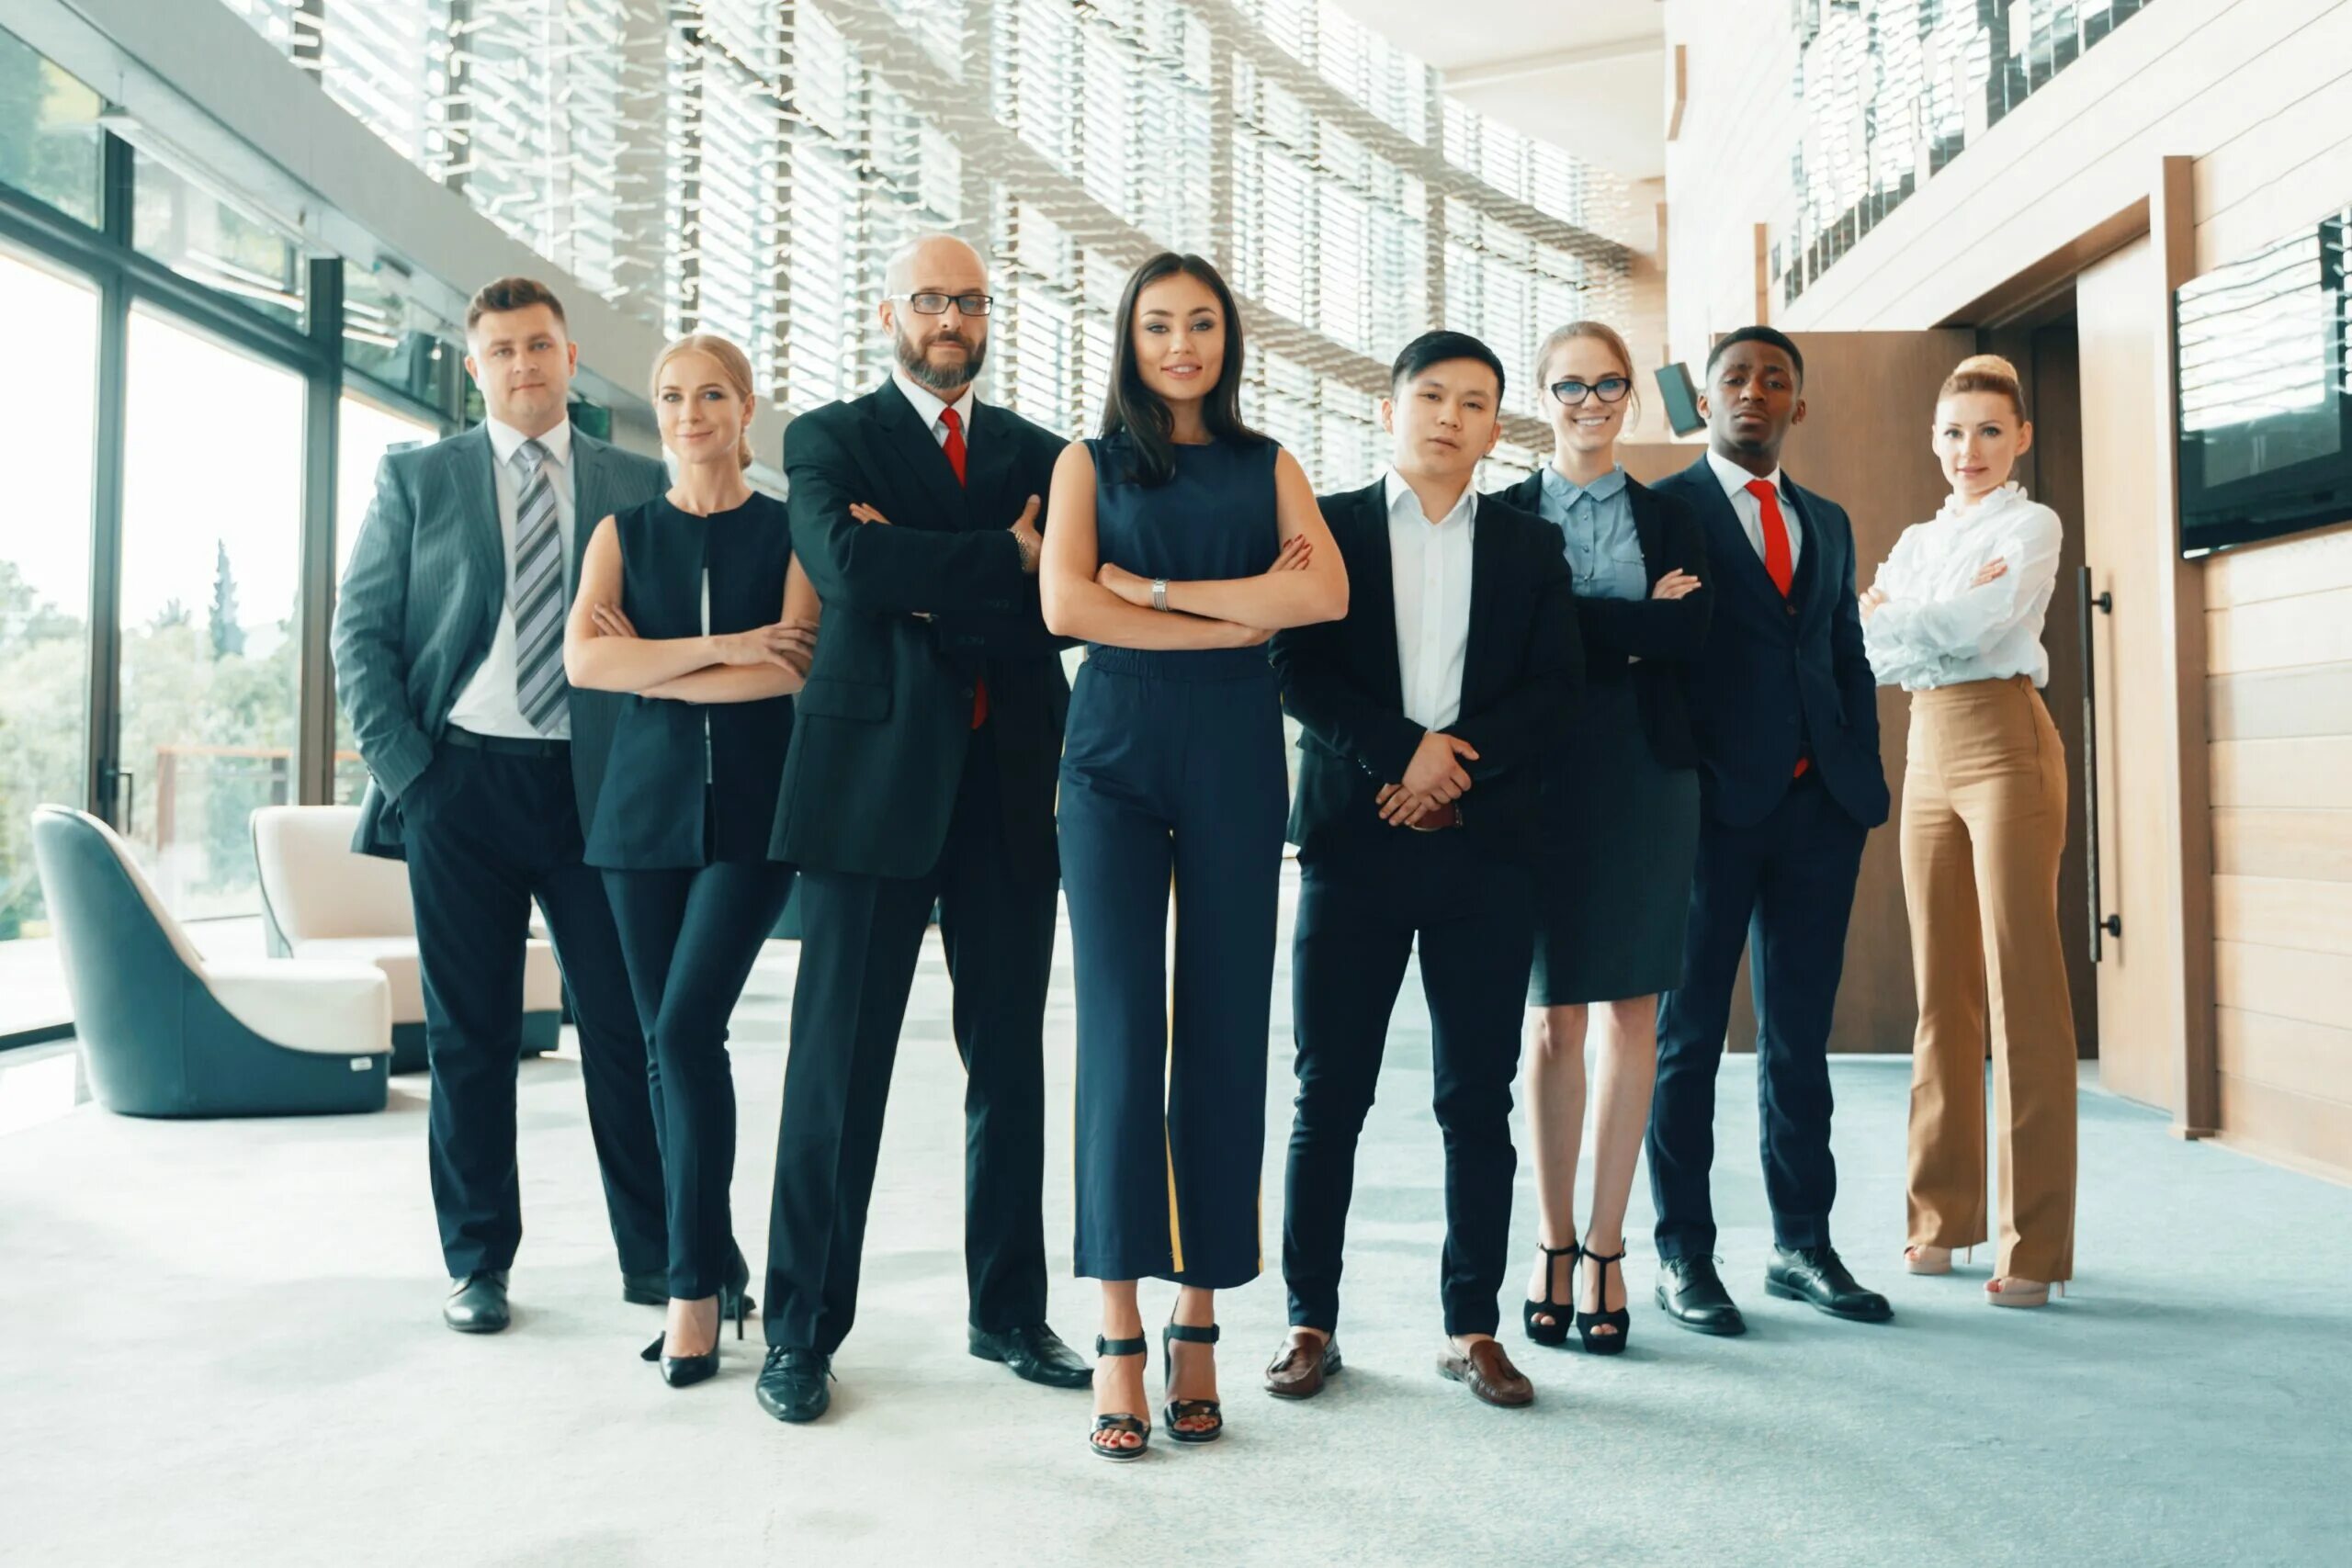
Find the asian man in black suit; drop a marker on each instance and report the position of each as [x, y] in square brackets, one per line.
[1785, 712]
[1428, 714]
[924, 750]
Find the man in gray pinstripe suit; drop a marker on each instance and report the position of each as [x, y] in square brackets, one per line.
[449, 652]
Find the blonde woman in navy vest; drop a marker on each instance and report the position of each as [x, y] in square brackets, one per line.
[693, 603]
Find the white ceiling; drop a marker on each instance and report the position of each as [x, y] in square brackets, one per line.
[1589, 75]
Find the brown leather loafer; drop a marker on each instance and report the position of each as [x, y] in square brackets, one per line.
[1488, 1373]
[1305, 1361]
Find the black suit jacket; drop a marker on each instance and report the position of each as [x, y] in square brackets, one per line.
[879, 731]
[1778, 678]
[1521, 671]
[1659, 638]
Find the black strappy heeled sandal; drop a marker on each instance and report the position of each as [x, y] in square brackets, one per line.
[1119, 1422]
[1621, 1320]
[1179, 1411]
[1554, 1333]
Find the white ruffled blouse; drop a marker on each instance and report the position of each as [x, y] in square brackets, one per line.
[1935, 629]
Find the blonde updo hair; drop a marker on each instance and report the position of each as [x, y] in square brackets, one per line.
[1987, 373]
[733, 364]
[1608, 337]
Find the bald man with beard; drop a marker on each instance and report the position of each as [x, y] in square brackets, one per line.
[922, 769]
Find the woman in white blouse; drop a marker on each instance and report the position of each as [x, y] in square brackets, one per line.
[1955, 618]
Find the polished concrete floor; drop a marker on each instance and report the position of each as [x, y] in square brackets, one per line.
[218, 1343]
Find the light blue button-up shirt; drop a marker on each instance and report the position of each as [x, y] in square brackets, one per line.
[1596, 523]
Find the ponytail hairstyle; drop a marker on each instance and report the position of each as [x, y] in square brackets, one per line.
[733, 364]
[1987, 373]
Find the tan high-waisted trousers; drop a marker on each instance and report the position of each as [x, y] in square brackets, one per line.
[1984, 821]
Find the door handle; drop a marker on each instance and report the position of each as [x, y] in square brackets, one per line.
[2102, 926]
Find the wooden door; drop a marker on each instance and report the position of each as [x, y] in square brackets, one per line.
[1870, 402]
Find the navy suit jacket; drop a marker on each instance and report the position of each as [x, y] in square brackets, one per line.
[1780, 679]
[419, 602]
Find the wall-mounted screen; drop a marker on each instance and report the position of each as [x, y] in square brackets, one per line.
[1682, 399]
[2262, 376]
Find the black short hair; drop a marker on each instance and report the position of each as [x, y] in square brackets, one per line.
[1778, 339]
[1436, 348]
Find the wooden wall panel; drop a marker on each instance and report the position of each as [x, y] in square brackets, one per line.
[1870, 399]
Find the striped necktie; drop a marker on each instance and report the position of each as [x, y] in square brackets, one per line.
[536, 596]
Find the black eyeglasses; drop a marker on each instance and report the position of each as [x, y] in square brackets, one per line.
[1608, 390]
[936, 304]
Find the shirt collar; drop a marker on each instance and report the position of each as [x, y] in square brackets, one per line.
[1566, 490]
[1400, 496]
[927, 403]
[1734, 479]
[505, 440]
[1998, 501]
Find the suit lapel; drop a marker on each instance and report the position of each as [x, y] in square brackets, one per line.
[1371, 595]
[1487, 570]
[1815, 569]
[1728, 539]
[916, 451]
[475, 477]
[987, 468]
[589, 506]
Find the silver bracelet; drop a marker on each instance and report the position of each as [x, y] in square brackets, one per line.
[1160, 594]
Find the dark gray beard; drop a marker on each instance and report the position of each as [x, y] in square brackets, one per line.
[911, 360]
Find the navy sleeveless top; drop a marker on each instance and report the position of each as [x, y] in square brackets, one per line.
[1215, 520]
[688, 783]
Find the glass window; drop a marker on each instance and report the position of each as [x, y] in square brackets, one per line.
[382, 343]
[212, 557]
[50, 143]
[47, 427]
[365, 433]
[182, 223]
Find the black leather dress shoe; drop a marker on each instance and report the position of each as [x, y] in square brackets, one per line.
[477, 1303]
[1692, 1293]
[793, 1382]
[1816, 1275]
[1036, 1352]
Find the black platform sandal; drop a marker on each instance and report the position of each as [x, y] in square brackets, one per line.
[1129, 1424]
[1178, 1411]
[1621, 1320]
[1557, 1331]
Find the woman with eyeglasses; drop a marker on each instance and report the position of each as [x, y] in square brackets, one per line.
[1624, 798]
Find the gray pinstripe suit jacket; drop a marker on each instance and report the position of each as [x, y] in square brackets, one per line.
[419, 602]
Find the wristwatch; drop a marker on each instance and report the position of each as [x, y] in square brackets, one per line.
[1160, 594]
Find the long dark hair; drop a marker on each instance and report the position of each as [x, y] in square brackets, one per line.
[1134, 410]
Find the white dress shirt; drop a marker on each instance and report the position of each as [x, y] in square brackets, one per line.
[1429, 567]
[1735, 480]
[488, 704]
[928, 405]
[1935, 629]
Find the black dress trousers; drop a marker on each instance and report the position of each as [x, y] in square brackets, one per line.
[862, 936]
[487, 830]
[1360, 909]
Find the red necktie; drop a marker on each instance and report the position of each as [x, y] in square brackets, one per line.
[954, 447]
[1777, 563]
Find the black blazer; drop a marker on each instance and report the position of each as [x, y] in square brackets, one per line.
[880, 728]
[1780, 679]
[1652, 641]
[1520, 676]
